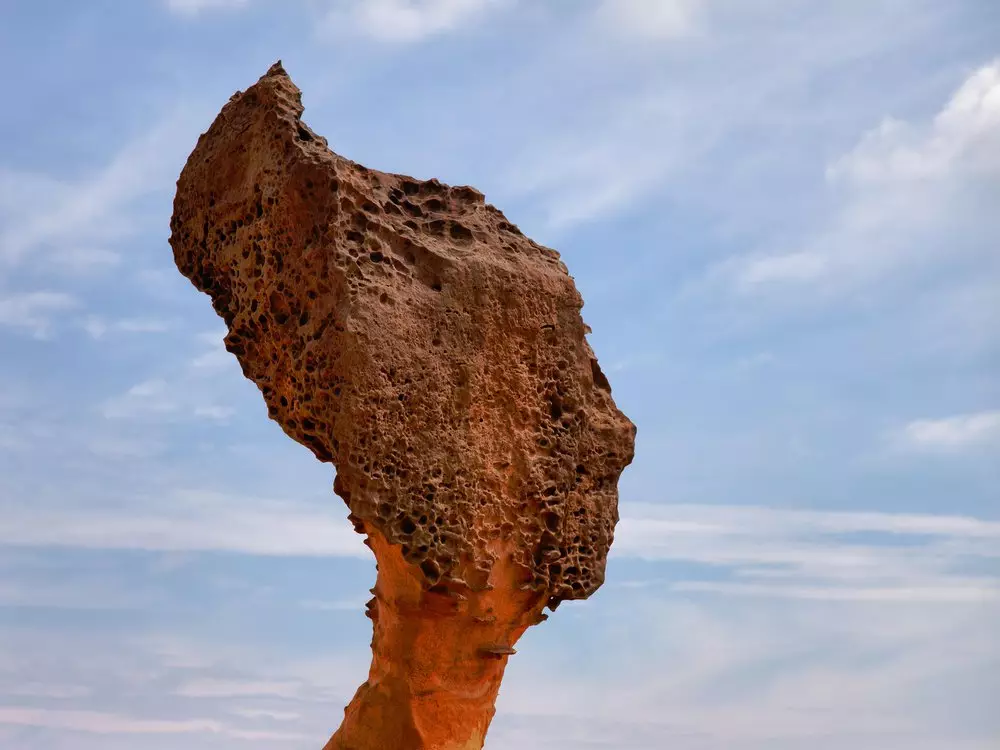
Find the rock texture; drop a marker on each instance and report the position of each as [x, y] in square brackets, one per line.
[408, 333]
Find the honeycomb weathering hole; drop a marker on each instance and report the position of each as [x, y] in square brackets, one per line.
[406, 332]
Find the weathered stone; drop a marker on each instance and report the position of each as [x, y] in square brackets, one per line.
[408, 333]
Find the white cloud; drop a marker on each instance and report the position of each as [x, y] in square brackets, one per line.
[586, 176]
[143, 683]
[912, 194]
[78, 595]
[793, 267]
[963, 137]
[194, 392]
[101, 722]
[195, 7]
[651, 19]
[953, 433]
[802, 553]
[142, 400]
[837, 556]
[678, 121]
[116, 448]
[190, 521]
[75, 224]
[948, 592]
[749, 520]
[49, 690]
[748, 665]
[261, 713]
[98, 327]
[32, 312]
[756, 674]
[215, 413]
[735, 673]
[214, 359]
[219, 688]
[406, 21]
[107, 723]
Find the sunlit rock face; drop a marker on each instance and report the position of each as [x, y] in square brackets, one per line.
[406, 332]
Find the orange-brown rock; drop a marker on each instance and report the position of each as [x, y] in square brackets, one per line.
[408, 333]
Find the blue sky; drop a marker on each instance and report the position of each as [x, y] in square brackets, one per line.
[782, 217]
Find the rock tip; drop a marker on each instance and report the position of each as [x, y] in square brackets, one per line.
[276, 70]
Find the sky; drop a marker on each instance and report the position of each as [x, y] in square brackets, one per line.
[782, 215]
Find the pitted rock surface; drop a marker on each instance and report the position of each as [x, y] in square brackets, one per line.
[407, 332]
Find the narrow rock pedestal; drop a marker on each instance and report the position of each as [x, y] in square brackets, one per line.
[416, 698]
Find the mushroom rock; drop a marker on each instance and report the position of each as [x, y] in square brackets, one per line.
[406, 332]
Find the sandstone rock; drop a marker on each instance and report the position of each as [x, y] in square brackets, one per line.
[408, 333]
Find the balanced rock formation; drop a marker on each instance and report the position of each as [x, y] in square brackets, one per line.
[408, 333]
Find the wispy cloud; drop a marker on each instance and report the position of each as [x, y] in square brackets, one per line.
[209, 691]
[654, 20]
[825, 551]
[33, 312]
[262, 713]
[587, 176]
[760, 673]
[910, 193]
[950, 434]
[702, 91]
[216, 413]
[215, 357]
[49, 690]
[107, 723]
[816, 554]
[406, 21]
[946, 592]
[219, 688]
[962, 138]
[78, 595]
[190, 521]
[190, 392]
[117, 448]
[77, 223]
[101, 722]
[98, 327]
[145, 399]
[196, 7]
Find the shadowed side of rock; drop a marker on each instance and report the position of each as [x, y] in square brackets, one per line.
[405, 331]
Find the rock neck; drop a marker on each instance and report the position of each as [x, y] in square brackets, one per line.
[437, 659]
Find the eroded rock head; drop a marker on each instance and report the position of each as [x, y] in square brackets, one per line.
[408, 333]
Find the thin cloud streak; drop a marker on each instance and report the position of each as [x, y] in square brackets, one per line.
[99, 722]
[945, 593]
[784, 548]
[189, 521]
[951, 434]
[33, 312]
[193, 8]
[80, 222]
[404, 22]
